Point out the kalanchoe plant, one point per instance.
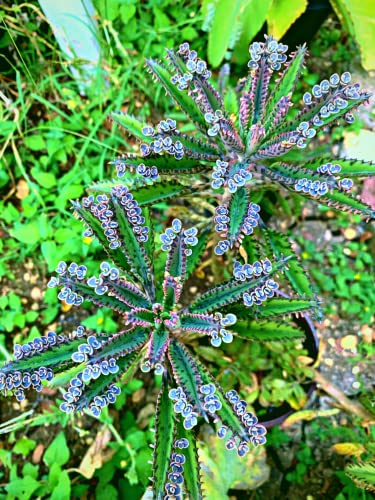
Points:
(156, 332)
(234, 149)
(159, 325)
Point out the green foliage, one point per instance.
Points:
(363, 475)
(258, 330)
(165, 432)
(347, 276)
(305, 458)
(224, 471)
(358, 21)
(139, 320)
(30, 483)
(233, 25)
(221, 29)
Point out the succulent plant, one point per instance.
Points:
(235, 148)
(142, 280)
(156, 332)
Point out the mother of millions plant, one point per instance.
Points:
(160, 328)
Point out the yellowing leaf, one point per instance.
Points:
(357, 17)
(95, 456)
(308, 415)
(355, 449)
(252, 20)
(22, 189)
(282, 15)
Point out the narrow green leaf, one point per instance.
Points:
(158, 345)
(147, 194)
(117, 255)
(196, 322)
(176, 263)
(186, 372)
(98, 386)
(214, 99)
(149, 245)
(212, 95)
(197, 251)
(229, 292)
(138, 259)
(267, 331)
(307, 113)
(167, 163)
(192, 145)
(181, 98)
(237, 212)
(363, 475)
(122, 296)
(159, 191)
(226, 413)
(276, 306)
(193, 482)
(285, 85)
(49, 358)
(350, 167)
(142, 315)
(342, 201)
(128, 293)
(334, 198)
(131, 125)
(121, 344)
(280, 246)
(164, 437)
(252, 248)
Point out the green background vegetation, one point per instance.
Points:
(54, 141)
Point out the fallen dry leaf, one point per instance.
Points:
(368, 334)
(138, 395)
(37, 453)
(95, 455)
(22, 189)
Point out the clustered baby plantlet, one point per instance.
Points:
(159, 326)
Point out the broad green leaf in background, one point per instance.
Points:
(44, 179)
(22, 488)
(220, 34)
(127, 12)
(223, 470)
(282, 15)
(57, 452)
(252, 20)
(35, 142)
(62, 489)
(358, 19)
(24, 446)
(26, 233)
